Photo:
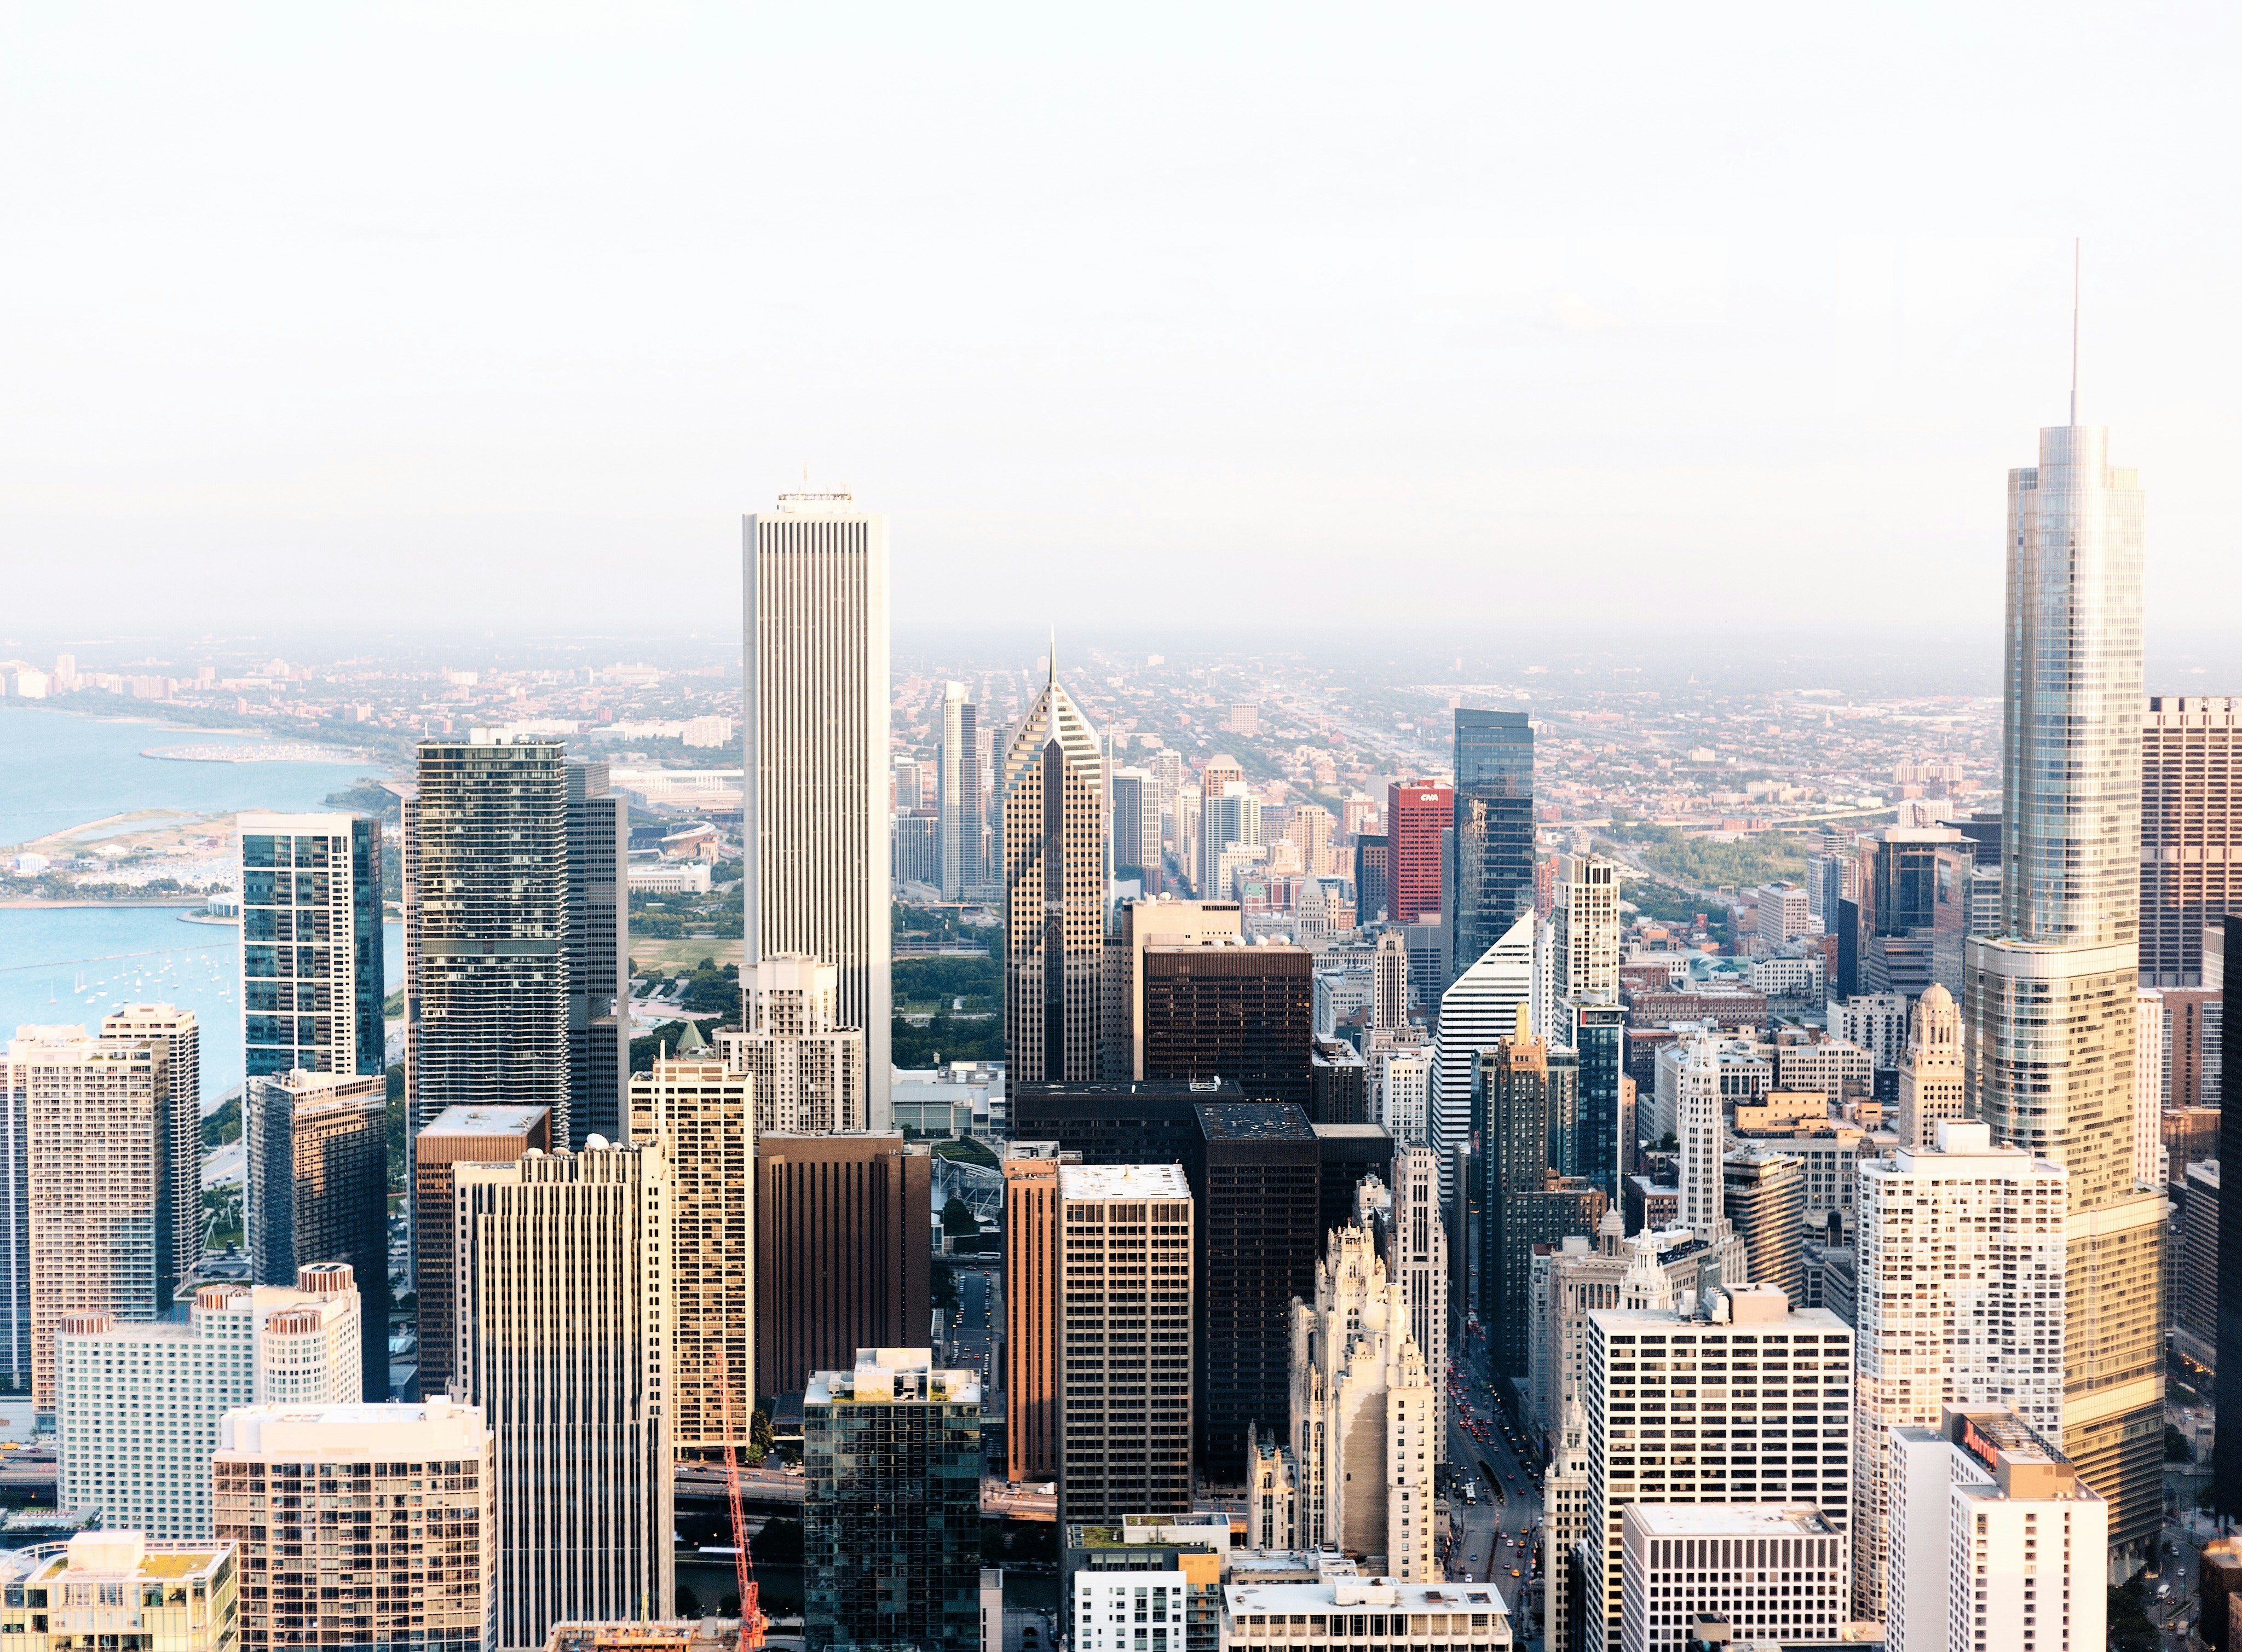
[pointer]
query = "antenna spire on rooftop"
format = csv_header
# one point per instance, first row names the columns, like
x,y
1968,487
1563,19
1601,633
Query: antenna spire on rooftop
x,y
2074,328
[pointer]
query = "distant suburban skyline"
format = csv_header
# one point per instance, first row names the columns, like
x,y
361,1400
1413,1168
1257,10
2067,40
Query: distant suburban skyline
x,y
1258,320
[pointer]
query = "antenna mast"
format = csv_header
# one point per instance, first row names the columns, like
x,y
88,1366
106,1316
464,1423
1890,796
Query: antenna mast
x,y
2074,329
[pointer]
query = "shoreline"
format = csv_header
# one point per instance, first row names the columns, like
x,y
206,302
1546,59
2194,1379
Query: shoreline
x,y
37,905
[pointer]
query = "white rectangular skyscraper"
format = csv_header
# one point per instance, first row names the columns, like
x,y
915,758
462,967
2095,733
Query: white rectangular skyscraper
x,y
1961,1269
816,791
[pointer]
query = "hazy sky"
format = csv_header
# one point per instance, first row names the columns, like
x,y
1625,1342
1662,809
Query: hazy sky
x,y
1256,317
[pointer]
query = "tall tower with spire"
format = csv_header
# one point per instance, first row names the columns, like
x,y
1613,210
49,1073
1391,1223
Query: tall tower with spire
x,y
1052,795
2049,1002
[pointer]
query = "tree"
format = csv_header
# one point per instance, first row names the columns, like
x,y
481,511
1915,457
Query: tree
x,y
958,1218
762,1441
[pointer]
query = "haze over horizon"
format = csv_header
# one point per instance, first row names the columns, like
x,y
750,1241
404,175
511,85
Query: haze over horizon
x,y
1270,318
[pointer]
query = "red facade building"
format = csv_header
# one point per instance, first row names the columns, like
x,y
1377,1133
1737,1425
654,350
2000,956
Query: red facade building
x,y
1416,814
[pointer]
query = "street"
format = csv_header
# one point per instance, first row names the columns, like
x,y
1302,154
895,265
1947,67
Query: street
x,y
1494,1536
971,1334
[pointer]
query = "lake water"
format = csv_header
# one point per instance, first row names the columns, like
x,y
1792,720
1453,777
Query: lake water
x,y
63,770
75,964
78,963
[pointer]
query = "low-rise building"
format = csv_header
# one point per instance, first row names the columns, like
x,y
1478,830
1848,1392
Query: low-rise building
x,y
116,1588
1773,1572
1339,1612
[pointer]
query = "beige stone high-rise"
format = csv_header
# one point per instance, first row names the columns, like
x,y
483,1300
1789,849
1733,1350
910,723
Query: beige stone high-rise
x,y
180,1036
815,793
807,1068
98,1116
2048,1001
1961,1270
705,1112
1363,1417
566,1343
1126,1297
1933,1086
1052,791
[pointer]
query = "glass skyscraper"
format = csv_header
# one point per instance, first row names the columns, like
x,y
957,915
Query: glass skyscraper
x,y
487,1003
2049,999
311,944
1494,830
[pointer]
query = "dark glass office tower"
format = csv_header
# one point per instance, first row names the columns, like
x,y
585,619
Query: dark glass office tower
x,y
487,995
1523,1095
1493,828
1598,1154
598,950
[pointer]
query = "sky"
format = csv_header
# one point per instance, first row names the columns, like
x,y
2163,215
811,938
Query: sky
x,y
1249,320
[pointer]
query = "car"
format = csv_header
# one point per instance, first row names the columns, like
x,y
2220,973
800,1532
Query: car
x,y
1513,1571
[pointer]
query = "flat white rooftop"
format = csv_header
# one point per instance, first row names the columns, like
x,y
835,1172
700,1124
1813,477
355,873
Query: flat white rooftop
x,y
1727,1520
1123,1182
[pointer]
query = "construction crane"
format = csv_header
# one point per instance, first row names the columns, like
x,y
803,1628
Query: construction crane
x,y
752,1620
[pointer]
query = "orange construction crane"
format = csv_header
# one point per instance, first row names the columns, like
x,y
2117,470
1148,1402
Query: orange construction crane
x,y
753,1624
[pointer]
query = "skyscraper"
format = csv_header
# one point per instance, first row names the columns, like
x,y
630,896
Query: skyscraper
x,y
2190,829
1417,813
1219,1007
815,801
2049,1002
1255,1177
582,1417
1053,793
1143,924
892,1504
1494,821
488,999
138,1404
702,1110
1701,1127
1229,820
1586,1013
1521,1089
599,952
959,793
1793,1446
1137,826
1479,1009
1126,1454
841,1255
807,1070
1374,876
434,1538
455,1136
1961,1266
175,1034
1389,982
2032,1526
311,943
1035,1356
317,1147
99,1119
1932,1085
1363,1416
1764,1198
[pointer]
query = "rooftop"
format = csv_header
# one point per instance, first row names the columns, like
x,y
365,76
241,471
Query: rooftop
x,y
1255,1122
483,1121
1727,1520
1123,1182
1242,1598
